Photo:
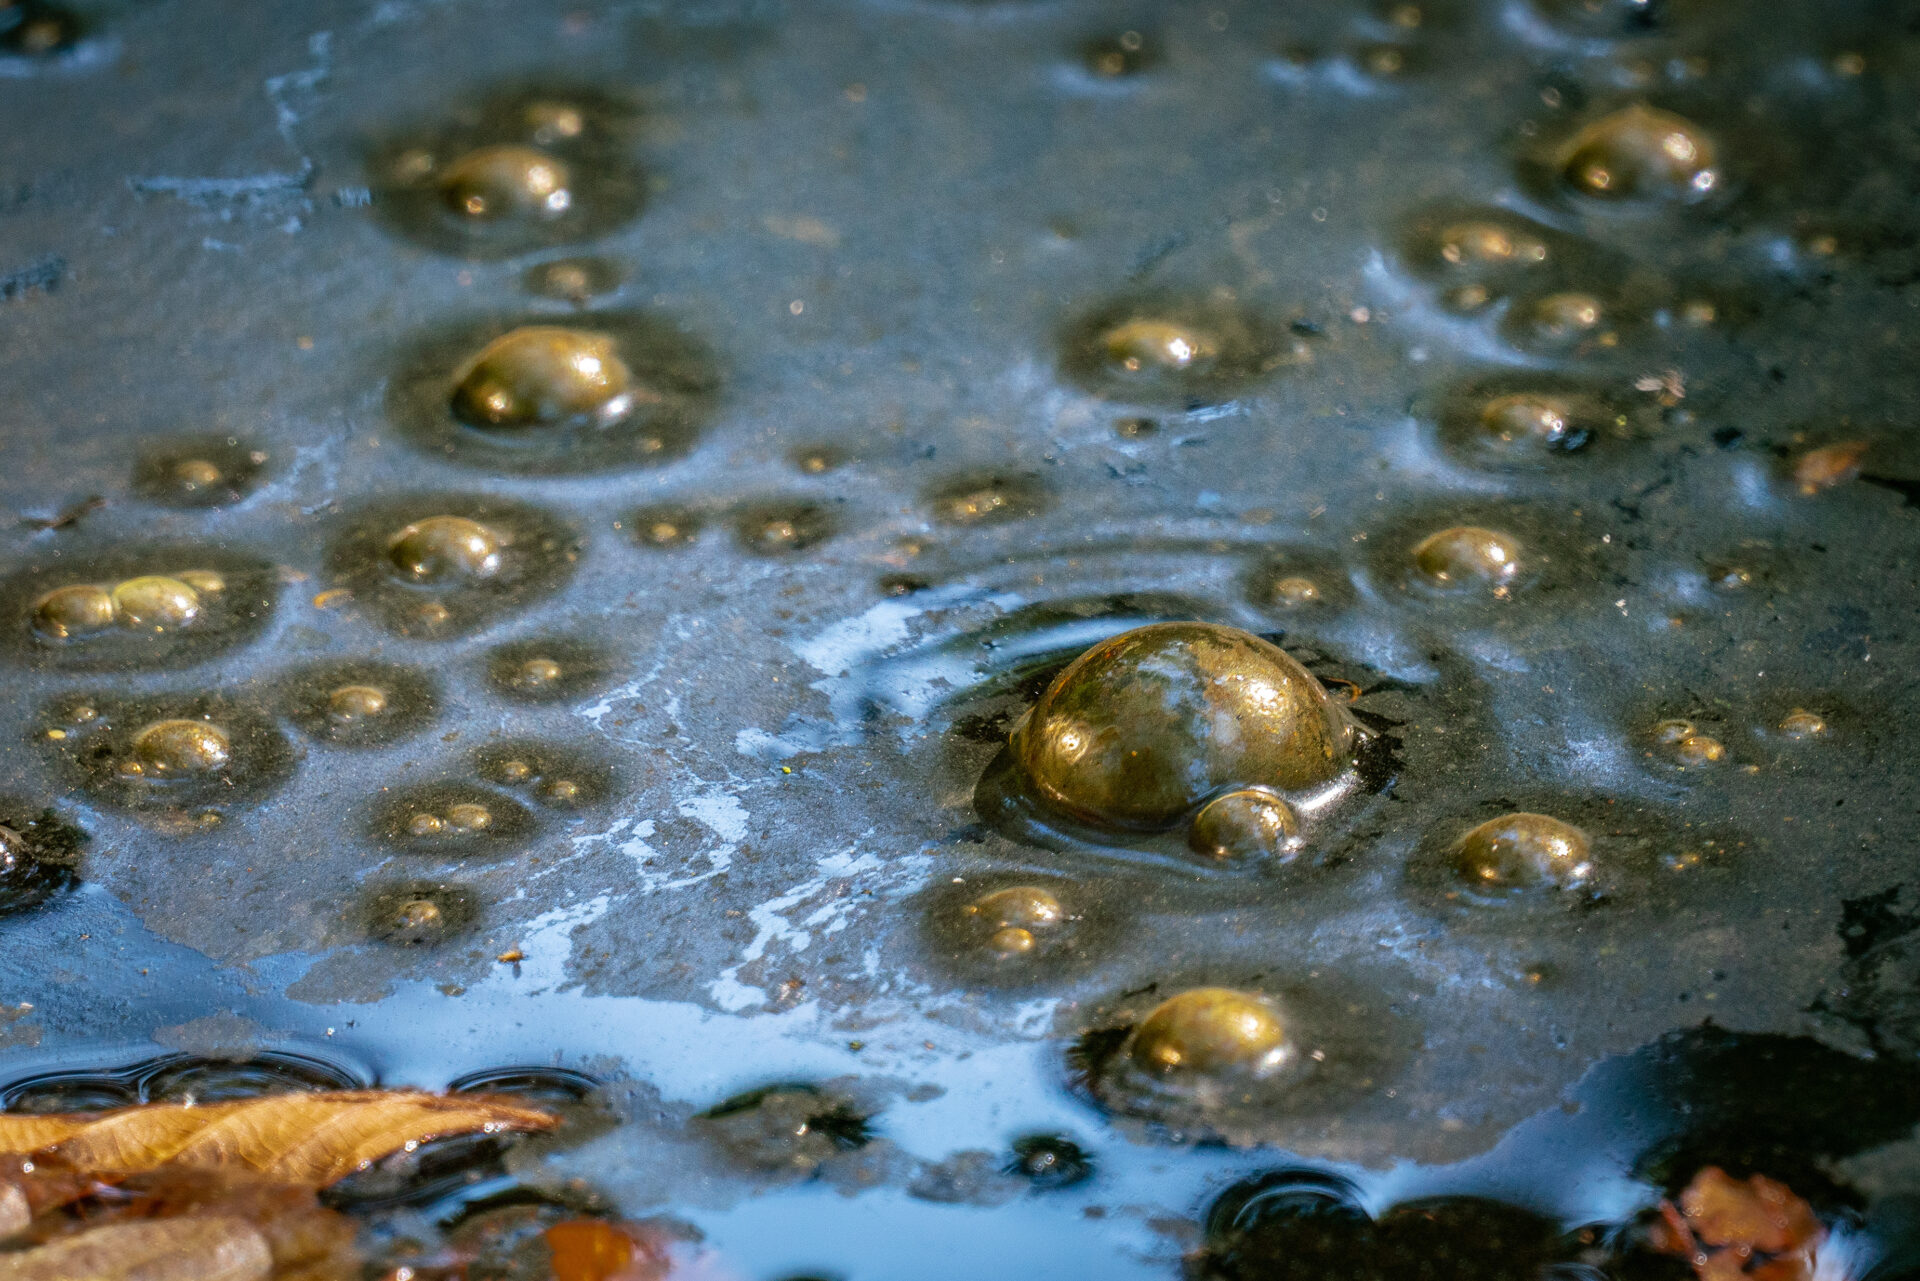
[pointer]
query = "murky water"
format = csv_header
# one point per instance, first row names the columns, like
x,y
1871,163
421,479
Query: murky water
x,y
599,554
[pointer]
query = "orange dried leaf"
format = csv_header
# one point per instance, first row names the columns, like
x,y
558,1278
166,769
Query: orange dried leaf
x,y
1758,1214
1823,468
200,1248
312,1139
595,1250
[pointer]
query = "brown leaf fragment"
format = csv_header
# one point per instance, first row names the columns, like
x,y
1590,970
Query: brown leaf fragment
x,y
199,1248
313,1139
1823,468
1758,1214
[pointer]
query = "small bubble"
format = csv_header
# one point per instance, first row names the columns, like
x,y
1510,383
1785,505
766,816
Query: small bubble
x,y
1211,1031
197,473
1849,64
445,549
1049,1161
1245,825
1126,54
1135,428
1532,420
1565,318
352,704
1158,347
1293,592
778,528
550,122
1801,724
1520,852
1641,155
172,748
666,526
542,375
36,29
78,609
419,914
507,181
466,816
156,603
574,280
545,669
1466,557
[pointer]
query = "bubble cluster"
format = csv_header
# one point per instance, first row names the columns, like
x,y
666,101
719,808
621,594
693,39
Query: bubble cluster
x,y
1681,743
525,173
360,702
197,752
457,820
988,498
1299,584
165,608
440,566
1142,728
551,776
206,472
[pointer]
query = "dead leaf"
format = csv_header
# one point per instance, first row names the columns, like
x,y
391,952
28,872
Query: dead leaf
x,y
595,1250
312,1139
1823,468
198,1248
1732,1230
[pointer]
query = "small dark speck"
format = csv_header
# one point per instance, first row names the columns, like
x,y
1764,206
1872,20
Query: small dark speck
x,y
1728,437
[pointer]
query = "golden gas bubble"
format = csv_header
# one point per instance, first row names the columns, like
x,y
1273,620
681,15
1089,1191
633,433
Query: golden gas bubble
x,y
426,825
1144,726
552,122
1523,851
446,549
1565,317
1293,592
537,673
204,581
1213,1031
418,915
1158,346
1467,298
78,609
1384,60
351,704
177,748
561,791
1674,731
156,602
1467,556
1529,418
1012,941
1849,64
1123,55
1641,154
514,771
1803,724
1481,245
540,375
507,182
1245,824
197,473
1026,907
466,816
